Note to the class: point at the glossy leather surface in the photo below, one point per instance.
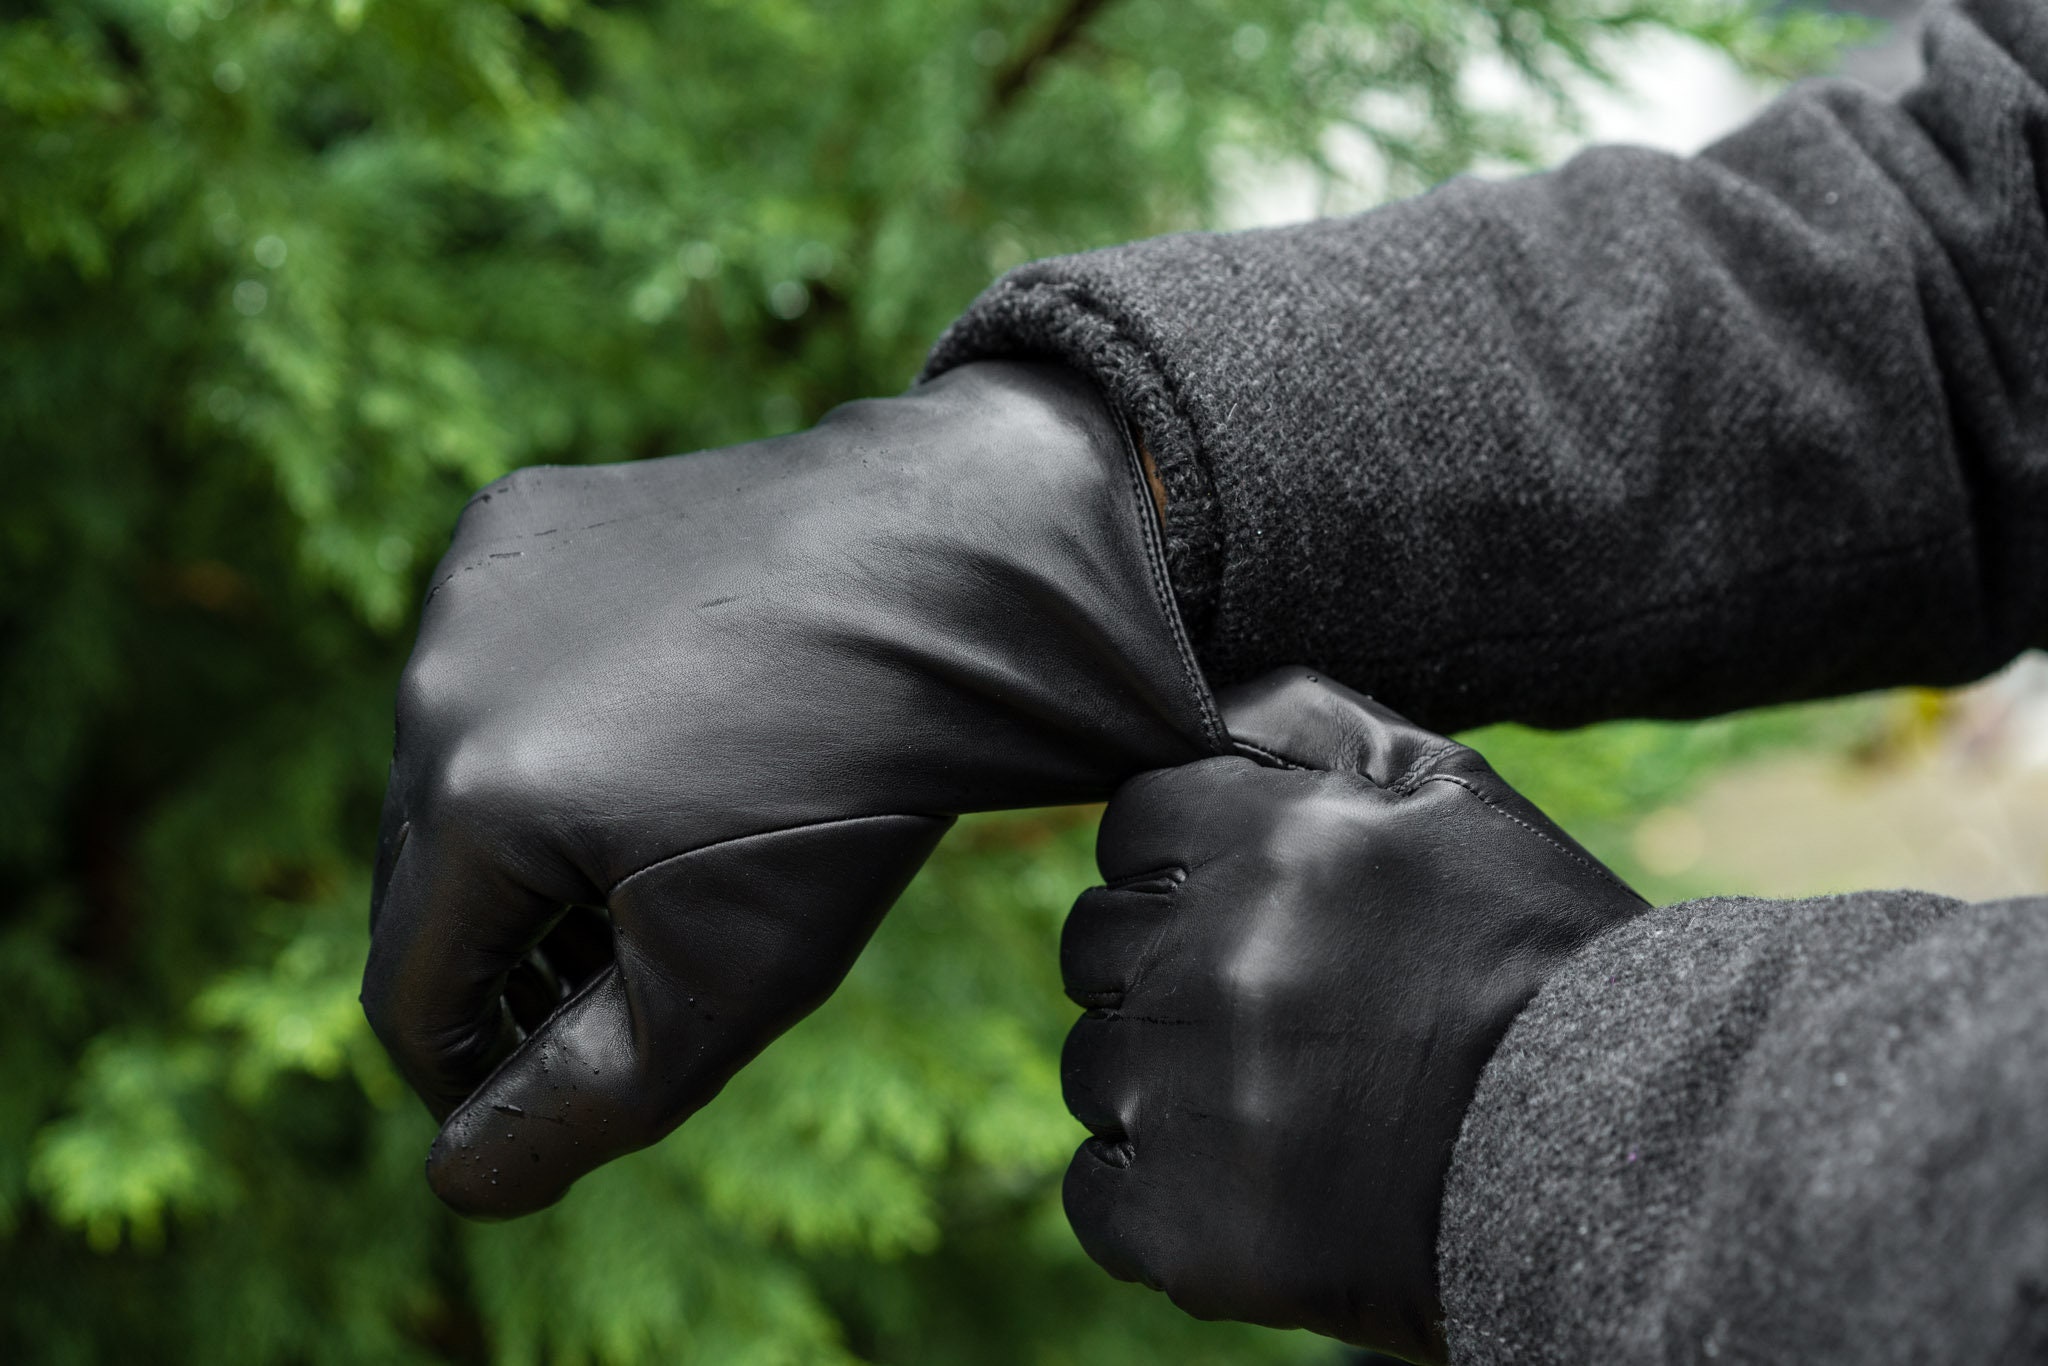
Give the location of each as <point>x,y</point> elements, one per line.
<point>734,698</point>
<point>1293,978</point>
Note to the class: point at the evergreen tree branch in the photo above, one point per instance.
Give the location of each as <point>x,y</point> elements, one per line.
<point>1016,78</point>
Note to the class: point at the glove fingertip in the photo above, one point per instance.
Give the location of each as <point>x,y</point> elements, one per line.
<point>480,1168</point>
<point>561,1105</point>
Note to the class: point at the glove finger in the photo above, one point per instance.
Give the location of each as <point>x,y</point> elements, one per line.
<point>1100,1088</point>
<point>1156,1219</point>
<point>1106,942</point>
<point>1104,1197</point>
<point>1303,718</point>
<point>717,952</point>
<point>1159,1194</point>
<point>1136,1217</point>
<point>449,930</point>
<point>1103,1079</point>
<point>1157,819</point>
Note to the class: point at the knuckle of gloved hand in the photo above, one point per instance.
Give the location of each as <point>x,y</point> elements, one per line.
<point>436,694</point>
<point>473,782</point>
<point>1281,812</point>
<point>1252,976</point>
<point>1266,993</point>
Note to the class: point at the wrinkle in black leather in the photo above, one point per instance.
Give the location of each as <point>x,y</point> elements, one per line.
<point>734,698</point>
<point>1283,1036</point>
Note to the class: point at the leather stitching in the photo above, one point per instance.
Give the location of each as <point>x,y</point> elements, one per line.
<point>1271,758</point>
<point>1073,295</point>
<point>1081,297</point>
<point>1503,812</point>
<point>483,559</point>
<point>1162,589</point>
<point>1411,777</point>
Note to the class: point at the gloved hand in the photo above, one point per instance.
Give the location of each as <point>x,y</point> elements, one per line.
<point>735,698</point>
<point>1293,979</point>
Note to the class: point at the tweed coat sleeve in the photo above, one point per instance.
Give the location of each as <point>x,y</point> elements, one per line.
<point>1758,1131</point>
<point>1643,435</point>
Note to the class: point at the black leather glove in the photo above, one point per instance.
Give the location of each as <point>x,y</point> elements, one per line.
<point>1293,979</point>
<point>735,698</point>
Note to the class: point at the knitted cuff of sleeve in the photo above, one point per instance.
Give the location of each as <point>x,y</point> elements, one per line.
<point>1038,312</point>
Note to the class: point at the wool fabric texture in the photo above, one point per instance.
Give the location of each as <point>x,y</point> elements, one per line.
<point>1645,435</point>
<point>1663,436</point>
<point>1754,1131</point>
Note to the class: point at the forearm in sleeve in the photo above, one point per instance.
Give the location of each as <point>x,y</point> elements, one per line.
<point>1761,1131</point>
<point>1643,435</point>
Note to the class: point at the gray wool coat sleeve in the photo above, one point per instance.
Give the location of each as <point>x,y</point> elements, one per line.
<point>1645,435</point>
<point>1754,1131</point>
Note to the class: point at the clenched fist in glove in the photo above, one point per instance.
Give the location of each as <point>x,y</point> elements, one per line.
<point>1293,978</point>
<point>733,699</point>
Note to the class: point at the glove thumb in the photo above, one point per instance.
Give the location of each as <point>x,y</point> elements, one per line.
<point>1298,718</point>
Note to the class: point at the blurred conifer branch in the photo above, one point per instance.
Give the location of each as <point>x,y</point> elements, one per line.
<point>284,280</point>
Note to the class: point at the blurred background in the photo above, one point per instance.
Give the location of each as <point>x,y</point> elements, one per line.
<point>283,280</point>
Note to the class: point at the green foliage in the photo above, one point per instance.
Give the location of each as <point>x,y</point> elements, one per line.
<point>283,281</point>
<point>1600,782</point>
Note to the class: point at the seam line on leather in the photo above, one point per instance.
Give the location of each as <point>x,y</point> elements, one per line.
<point>1079,295</point>
<point>1162,587</point>
<point>1409,779</point>
<point>1039,302</point>
<point>1272,758</point>
<point>1506,814</point>
<point>619,886</point>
